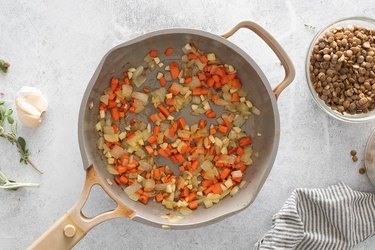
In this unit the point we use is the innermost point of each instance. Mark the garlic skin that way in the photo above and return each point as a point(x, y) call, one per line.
point(30, 105)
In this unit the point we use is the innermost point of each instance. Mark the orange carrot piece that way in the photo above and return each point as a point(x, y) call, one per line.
point(114, 83)
point(153, 53)
point(163, 152)
point(191, 197)
point(159, 197)
point(223, 129)
point(163, 82)
point(152, 139)
point(163, 110)
point(115, 114)
point(123, 179)
point(193, 205)
point(240, 151)
point(224, 174)
point(188, 79)
point(174, 70)
point(217, 188)
point(149, 149)
point(203, 59)
point(182, 123)
point(235, 97)
point(181, 168)
point(168, 51)
point(144, 199)
point(194, 165)
point(112, 104)
point(146, 90)
point(245, 141)
point(206, 183)
point(202, 123)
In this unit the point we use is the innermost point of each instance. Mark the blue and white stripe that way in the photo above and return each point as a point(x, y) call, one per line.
point(326, 218)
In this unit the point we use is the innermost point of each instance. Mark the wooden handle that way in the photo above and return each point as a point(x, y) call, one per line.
point(73, 226)
point(275, 46)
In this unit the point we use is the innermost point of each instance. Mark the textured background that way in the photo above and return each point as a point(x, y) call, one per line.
point(56, 46)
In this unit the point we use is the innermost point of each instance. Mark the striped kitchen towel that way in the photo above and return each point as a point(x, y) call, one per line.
point(322, 218)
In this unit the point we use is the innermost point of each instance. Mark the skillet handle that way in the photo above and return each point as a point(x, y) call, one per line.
point(275, 46)
point(73, 226)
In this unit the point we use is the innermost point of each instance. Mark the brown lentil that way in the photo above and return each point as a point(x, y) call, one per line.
point(362, 170)
point(353, 152)
point(355, 158)
point(342, 69)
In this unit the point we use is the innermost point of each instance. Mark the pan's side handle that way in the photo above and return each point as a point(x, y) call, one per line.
point(275, 46)
point(73, 226)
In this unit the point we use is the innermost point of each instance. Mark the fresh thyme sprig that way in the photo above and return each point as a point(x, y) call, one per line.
point(12, 136)
point(5, 183)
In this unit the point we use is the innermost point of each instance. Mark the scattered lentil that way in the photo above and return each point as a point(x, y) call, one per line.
point(353, 152)
point(355, 158)
point(362, 170)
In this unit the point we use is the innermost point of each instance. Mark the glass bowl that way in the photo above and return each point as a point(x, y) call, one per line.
point(343, 22)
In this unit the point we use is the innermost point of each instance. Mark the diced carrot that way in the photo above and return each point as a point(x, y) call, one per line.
point(240, 151)
point(163, 82)
point(115, 114)
point(117, 180)
point(192, 56)
point(123, 179)
point(206, 183)
point(174, 70)
point(181, 122)
point(146, 90)
point(181, 168)
point(203, 59)
point(168, 51)
point(210, 114)
point(163, 109)
point(111, 96)
point(153, 118)
point(149, 149)
point(144, 199)
point(193, 205)
point(180, 158)
point(217, 188)
point(188, 79)
point(159, 197)
point(245, 141)
point(208, 190)
point(191, 197)
point(156, 130)
point(163, 152)
point(112, 104)
point(201, 76)
point(194, 165)
point(200, 91)
point(185, 192)
point(235, 97)
point(223, 129)
point(153, 53)
point(152, 139)
point(114, 83)
point(224, 174)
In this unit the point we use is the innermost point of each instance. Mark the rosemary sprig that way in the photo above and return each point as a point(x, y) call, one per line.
point(5, 183)
point(12, 137)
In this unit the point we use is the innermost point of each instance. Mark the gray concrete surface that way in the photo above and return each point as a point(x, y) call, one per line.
point(56, 46)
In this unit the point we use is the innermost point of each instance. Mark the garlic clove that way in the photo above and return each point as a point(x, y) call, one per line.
point(28, 120)
point(30, 106)
point(38, 101)
point(27, 107)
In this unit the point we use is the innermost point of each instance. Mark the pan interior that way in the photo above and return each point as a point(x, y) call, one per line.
point(253, 80)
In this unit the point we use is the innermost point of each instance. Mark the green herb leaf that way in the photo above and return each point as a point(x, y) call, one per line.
point(2, 102)
point(10, 120)
point(21, 141)
point(9, 112)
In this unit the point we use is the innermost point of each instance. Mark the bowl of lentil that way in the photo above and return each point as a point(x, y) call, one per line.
point(340, 69)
